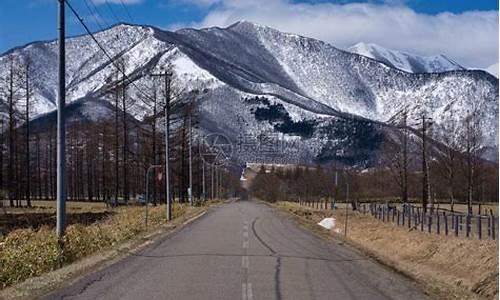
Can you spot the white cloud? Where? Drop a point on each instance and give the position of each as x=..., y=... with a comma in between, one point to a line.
x=470, y=38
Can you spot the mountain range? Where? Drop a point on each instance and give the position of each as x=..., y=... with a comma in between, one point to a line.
x=307, y=100
x=406, y=61
x=410, y=62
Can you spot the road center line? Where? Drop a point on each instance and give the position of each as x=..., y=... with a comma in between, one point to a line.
x=246, y=287
x=244, y=291
x=249, y=291
x=244, y=262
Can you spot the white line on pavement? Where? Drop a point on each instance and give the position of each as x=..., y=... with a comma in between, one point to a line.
x=244, y=262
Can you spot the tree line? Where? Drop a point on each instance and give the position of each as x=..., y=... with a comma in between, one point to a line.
x=412, y=167
x=106, y=158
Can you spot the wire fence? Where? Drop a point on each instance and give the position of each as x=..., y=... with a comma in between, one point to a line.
x=432, y=221
x=435, y=221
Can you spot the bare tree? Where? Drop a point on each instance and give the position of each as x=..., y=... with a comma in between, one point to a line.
x=471, y=139
x=11, y=91
x=395, y=153
x=27, y=110
x=447, y=159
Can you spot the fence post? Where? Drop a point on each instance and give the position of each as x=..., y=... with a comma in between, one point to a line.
x=409, y=217
x=493, y=235
x=445, y=219
x=489, y=226
x=479, y=227
x=422, y=223
x=429, y=222
x=467, y=225
x=403, y=217
x=456, y=224
x=438, y=229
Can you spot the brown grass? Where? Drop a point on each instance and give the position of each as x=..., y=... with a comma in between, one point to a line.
x=50, y=206
x=449, y=267
x=26, y=253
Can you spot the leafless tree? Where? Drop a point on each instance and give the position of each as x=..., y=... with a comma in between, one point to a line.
x=471, y=139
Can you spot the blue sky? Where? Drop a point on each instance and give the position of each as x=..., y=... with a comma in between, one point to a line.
x=421, y=26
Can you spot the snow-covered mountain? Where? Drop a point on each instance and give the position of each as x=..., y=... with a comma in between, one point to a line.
x=406, y=61
x=493, y=70
x=316, y=101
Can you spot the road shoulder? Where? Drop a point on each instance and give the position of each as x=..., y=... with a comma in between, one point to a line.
x=433, y=288
x=68, y=275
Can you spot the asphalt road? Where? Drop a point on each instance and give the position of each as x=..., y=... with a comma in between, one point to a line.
x=243, y=250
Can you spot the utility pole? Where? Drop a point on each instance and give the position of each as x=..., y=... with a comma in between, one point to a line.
x=61, y=134
x=346, y=204
x=167, y=75
x=425, y=178
x=405, y=156
x=27, y=145
x=212, y=181
x=190, y=192
x=203, y=187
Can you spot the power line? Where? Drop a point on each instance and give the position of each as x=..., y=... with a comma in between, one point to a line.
x=92, y=14
x=127, y=11
x=95, y=12
x=112, y=11
x=80, y=19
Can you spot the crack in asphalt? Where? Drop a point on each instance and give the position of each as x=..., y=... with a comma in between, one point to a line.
x=260, y=239
x=250, y=255
x=84, y=287
x=277, y=268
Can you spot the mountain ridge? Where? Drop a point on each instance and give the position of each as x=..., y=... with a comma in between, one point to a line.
x=405, y=61
x=311, y=79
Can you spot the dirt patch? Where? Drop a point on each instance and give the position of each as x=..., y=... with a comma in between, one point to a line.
x=448, y=267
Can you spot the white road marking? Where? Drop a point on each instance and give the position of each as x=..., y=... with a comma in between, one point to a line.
x=246, y=287
x=249, y=291
x=245, y=262
x=244, y=291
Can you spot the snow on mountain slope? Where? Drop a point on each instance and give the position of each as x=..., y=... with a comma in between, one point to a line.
x=406, y=61
x=302, y=89
x=493, y=70
x=324, y=79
